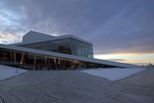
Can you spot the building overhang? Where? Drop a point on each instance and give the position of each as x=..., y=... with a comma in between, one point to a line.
x=67, y=56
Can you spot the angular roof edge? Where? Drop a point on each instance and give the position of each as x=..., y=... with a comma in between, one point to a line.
x=54, y=54
x=55, y=38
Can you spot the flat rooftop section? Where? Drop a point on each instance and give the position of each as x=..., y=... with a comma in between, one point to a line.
x=34, y=37
x=76, y=87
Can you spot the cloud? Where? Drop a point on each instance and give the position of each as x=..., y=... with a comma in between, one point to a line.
x=9, y=38
x=112, y=26
x=135, y=42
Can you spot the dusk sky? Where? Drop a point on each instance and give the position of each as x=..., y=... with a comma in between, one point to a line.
x=120, y=30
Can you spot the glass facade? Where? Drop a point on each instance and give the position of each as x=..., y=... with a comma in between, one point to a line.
x=32, y=61
x=65, y=45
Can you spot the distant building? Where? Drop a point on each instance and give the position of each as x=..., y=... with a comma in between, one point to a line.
x=40, y=51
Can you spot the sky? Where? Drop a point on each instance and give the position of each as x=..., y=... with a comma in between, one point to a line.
x=120, y=30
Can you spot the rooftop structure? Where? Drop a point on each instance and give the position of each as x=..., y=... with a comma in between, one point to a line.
x=67, y=44
x=40, y=51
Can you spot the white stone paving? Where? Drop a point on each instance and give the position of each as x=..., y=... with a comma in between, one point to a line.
x=8, y=72
x=113, y=73
x=76, y=87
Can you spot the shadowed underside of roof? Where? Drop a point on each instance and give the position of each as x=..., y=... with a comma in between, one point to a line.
x=61, y=55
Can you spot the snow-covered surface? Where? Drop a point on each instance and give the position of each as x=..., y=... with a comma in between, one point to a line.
x=7, y=72
x=113, y=73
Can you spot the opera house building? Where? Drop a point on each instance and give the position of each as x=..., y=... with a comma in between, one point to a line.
x=39, y=51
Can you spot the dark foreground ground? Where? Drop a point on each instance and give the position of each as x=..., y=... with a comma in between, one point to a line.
x=76, y=87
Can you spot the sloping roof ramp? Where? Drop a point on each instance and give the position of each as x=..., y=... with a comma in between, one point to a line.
x=54, y=54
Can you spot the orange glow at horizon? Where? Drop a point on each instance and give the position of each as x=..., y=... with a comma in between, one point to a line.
x=134, y=58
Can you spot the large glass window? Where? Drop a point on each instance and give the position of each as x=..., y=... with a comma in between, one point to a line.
x=66, y=45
